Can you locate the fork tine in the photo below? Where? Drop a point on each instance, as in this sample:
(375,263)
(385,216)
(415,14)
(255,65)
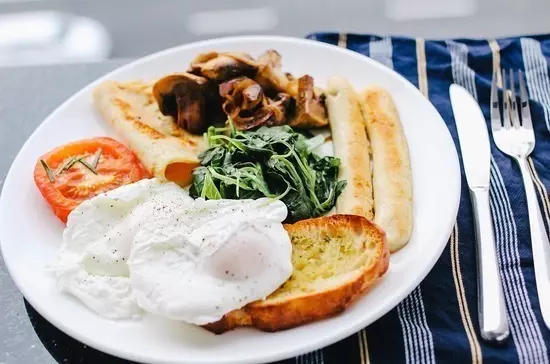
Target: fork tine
(506,102)
(514,106)
(496,121)
(525,111)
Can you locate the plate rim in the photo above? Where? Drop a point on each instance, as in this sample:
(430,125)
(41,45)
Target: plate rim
(282,354)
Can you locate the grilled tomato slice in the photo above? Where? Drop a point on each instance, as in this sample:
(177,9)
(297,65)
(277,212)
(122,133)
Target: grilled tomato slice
(77,171)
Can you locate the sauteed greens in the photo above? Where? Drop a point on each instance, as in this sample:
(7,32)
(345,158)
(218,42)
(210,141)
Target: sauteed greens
(274,162)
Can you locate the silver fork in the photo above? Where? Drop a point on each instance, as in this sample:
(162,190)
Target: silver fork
(516,138)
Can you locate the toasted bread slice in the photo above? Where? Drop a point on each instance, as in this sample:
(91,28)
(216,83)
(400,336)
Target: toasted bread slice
(335,259)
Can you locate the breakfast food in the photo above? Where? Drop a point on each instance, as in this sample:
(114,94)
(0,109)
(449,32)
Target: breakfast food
(77,171)
(271,162)
(203,241)
(167,151)
(252,92)
(150,247)
(335,259)
(351,146)
(391,168)
(192,101)
(219,256)
(92,263)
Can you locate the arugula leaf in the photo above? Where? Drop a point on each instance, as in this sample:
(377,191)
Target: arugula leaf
(199,175)
(212,156)
(274,162)
(209,189)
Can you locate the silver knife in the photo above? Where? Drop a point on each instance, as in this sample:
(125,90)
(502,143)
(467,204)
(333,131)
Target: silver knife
(476,157)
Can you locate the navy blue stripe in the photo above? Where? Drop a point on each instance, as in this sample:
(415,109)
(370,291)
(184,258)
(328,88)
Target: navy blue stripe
(385,340)
(545,45)
(345,351)
(330,38)
(404,58)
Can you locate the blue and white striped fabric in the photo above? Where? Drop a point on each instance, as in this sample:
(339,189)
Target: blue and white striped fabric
(438,322)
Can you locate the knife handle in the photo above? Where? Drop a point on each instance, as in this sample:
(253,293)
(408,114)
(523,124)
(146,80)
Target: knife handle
(493,321)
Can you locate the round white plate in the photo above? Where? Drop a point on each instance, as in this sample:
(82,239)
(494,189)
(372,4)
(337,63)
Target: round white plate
(30,234)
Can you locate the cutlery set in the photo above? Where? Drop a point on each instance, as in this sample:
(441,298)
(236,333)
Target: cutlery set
(513,135)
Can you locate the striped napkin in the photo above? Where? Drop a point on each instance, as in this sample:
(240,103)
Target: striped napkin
(438,322)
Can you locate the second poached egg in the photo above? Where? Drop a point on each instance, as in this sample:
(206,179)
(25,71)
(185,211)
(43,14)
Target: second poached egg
(149,247)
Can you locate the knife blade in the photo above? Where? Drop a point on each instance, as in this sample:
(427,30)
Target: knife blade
(473,136)
(476,157)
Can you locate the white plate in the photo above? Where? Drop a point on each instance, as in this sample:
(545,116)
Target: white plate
(30,234)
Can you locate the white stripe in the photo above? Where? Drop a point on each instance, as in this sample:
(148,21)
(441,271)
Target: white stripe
(538,83)
(313,37)
(314,357)
(536,73)
(503,227)
(320,356)
(381,51)
(508,260)
(407,334)
(410,317)
(525,330)
(417,337)
(412,313)
(426,332)
(535,331)
(416,307)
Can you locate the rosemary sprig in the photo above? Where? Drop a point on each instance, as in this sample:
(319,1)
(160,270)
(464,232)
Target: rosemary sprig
(87,165)
(71,162)
(95,162)
(67,165)
(48,170)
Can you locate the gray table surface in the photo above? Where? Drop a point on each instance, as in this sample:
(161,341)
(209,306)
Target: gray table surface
(25,337)
(155,25)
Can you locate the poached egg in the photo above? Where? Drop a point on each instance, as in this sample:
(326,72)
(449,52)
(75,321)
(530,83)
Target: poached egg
(149,247)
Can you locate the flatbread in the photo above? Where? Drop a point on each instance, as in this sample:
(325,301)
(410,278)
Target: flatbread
(167,151)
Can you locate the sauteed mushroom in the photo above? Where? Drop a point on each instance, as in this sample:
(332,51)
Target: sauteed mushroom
(310,110)
(270,74)
(221,67)
(191,100)
(258,92)
(266,71)
(272,58)
(279,105)
(246,104)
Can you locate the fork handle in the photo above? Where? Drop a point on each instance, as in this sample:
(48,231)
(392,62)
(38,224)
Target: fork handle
(493,322)
(539,242)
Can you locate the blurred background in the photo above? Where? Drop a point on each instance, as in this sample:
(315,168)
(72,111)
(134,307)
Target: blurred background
(36,32)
